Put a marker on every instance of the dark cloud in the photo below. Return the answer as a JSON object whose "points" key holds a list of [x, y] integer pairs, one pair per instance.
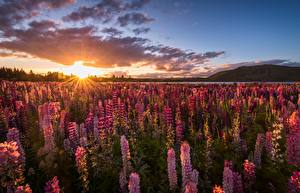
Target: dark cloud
{"points": [[15, 11], [141, 30], [104, 11], [134, 18], [112, 31]]}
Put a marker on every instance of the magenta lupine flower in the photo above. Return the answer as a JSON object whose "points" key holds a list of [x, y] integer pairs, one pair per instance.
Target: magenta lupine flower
{"points": [[13, 135], [134, 183], [52, 186], [190, 187], [125, 151], [228, 180], [218, 189], [186, 165], [168, 116], [249, 174], [23, 189], [172, 174], [259, 145], [294, 183], [72, 133], [19, 105]]}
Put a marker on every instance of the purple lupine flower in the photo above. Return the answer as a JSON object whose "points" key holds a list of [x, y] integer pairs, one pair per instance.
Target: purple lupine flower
{"points": [[134, 183], [268, 143], [186, 165], [123, 180], [13, 135], [52, 186], [238, 183], [259, 145], [125, 151], [228, 180], [172, 175], [294, 183]]}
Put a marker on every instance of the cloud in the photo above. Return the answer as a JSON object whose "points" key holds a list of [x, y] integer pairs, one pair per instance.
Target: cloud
{"points": [[134, 18], [47, 40], [15, 11], [141, 30], [104, 11], [112, 31]]}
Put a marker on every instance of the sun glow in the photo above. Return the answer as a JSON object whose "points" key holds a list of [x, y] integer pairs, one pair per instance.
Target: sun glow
{"points": [[80, 70]]}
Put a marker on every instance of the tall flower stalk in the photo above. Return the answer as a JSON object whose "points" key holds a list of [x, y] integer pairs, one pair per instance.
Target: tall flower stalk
{"points": [[81, 163], [172, 174]]}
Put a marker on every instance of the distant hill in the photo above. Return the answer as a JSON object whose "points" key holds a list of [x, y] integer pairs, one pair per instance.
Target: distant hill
{"points": [[267, 72]]}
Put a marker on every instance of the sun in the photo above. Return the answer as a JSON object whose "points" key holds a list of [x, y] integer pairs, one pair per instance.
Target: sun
{"points": [[79, 70]]}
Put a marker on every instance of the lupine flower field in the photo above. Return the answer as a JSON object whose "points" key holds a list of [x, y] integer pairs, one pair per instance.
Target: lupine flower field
{"points": [[149, 137]]}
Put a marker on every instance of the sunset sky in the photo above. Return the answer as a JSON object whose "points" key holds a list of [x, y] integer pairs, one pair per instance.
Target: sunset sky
{"points": [[148, 38]]}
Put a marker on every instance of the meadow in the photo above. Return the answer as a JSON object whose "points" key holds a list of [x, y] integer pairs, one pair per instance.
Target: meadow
{"points": [[84, 136]]}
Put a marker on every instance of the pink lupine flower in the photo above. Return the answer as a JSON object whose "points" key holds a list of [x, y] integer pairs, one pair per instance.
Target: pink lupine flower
{"points": [[218, 189], [23, 189], [172, 175], [293, 142], [258, 149], [81, 163], [249, 174], [190, 187], [52, 186], [11, 164], [294, 183], [186, 165], [134, 183], [228, 180], [125, 151]]}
